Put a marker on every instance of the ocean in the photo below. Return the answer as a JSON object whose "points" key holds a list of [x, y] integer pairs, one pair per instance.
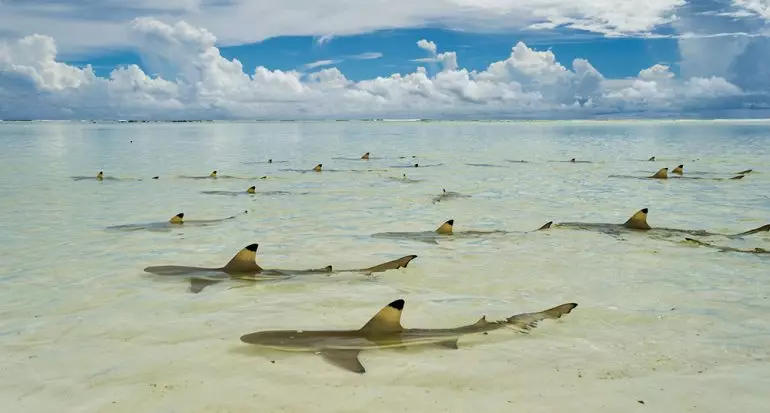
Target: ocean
{"points": [[661, 325]]}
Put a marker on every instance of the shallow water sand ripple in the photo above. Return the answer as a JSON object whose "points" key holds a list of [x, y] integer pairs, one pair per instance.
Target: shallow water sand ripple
{"points": [[678, 327]]}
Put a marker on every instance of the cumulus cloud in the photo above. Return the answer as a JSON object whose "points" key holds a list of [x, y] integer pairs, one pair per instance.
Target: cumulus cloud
{"points": [[83, 24], [194, 81]]}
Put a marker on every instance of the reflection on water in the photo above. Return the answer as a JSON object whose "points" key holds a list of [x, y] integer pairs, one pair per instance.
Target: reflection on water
{"points": [[85, 329]]}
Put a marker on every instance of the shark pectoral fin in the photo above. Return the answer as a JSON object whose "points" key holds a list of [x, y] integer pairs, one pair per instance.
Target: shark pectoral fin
{"points": [[198, 284], [346, 359], [451, 344]]}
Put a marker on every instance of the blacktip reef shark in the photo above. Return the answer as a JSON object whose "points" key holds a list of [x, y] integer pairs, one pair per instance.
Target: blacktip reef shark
{"points": [[364, 157], [662, 173], [403, 178], [252, 190], [638, 222], [448, 195], [755, 250], [445, 230], [243, 267], [384, 330], [101, 177], [175, 222], [573, 160]]}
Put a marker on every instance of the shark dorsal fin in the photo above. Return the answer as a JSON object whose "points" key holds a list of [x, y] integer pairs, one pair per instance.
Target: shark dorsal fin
{"points": [[387, 320], [638, 220], [252, 189], [446, 227], [661, 174], [652, 158], [177, 219], [318, 167], [100, 175], [366, 156], [244, 261], [572, 160], [679, 170], [213, 174]]}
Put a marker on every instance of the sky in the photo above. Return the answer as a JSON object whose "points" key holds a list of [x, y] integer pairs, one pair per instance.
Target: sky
{"points": [[340, 59]]}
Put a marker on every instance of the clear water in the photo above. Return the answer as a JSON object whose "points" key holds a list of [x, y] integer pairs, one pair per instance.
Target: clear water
{"points": [[678, 327]]}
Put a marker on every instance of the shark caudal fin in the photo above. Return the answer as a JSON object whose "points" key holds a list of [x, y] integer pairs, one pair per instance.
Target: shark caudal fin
{"points": [[545, 226], [252, 190], [744, 172], [213, 174], [402, 262], [528, 321], [638, 220], [661, 174], [244, 261], [100, 175], [177, 219], [763, 228], [679, 170], [652, 158], [387, 320], [318, 167], [366, 156], [446, 227]]}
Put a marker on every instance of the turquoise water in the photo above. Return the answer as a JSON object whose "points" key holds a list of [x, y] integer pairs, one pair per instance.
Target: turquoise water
{"points": [[680, 327]]}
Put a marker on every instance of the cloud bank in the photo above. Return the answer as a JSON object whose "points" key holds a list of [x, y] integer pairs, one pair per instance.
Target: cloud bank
{"points": [[191, 80]]}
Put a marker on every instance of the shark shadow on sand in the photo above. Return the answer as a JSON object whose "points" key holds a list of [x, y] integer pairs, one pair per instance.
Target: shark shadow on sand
{"points": [[342, 347], [638, 223], [243, 267], [177, 221]]}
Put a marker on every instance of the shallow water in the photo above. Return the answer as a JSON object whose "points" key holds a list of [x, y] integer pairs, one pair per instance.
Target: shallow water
{"points": [[678, 327]]}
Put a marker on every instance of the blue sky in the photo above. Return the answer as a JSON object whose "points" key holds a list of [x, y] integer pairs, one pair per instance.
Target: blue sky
{"points": [[335, 59], [613, 57]]}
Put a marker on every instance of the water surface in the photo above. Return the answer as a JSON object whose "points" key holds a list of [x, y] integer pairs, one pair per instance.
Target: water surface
{"points": [[678, 327]]}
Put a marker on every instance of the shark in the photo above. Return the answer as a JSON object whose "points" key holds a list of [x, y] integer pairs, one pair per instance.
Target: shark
{"points": [[403, 178], [101, 177], [662, 174], [175, 222], [445, 230], [384, 331], [243, 267], [448, 195], [755, 250], [252, 190], [638, 223]]}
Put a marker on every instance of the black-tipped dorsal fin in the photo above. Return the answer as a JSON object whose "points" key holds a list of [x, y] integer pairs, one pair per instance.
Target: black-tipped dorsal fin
{"points": [[446, 227], [387, 320], [638, 220], [245, 261], [177, 219]]}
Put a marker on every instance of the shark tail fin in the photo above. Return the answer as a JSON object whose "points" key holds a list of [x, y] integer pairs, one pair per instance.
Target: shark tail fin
{"points": [[387, 320], [763, 228], [402, 262], [244, 261], [177, 219], [661, 174], [446, 228], [638, 220], [528, 321], [545, 226], [652, 158]]}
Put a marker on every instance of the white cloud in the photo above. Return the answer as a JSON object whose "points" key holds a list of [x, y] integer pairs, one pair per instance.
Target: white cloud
{"points": [[321, 63], [79, 24], [195, 81], [366, 56]]}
